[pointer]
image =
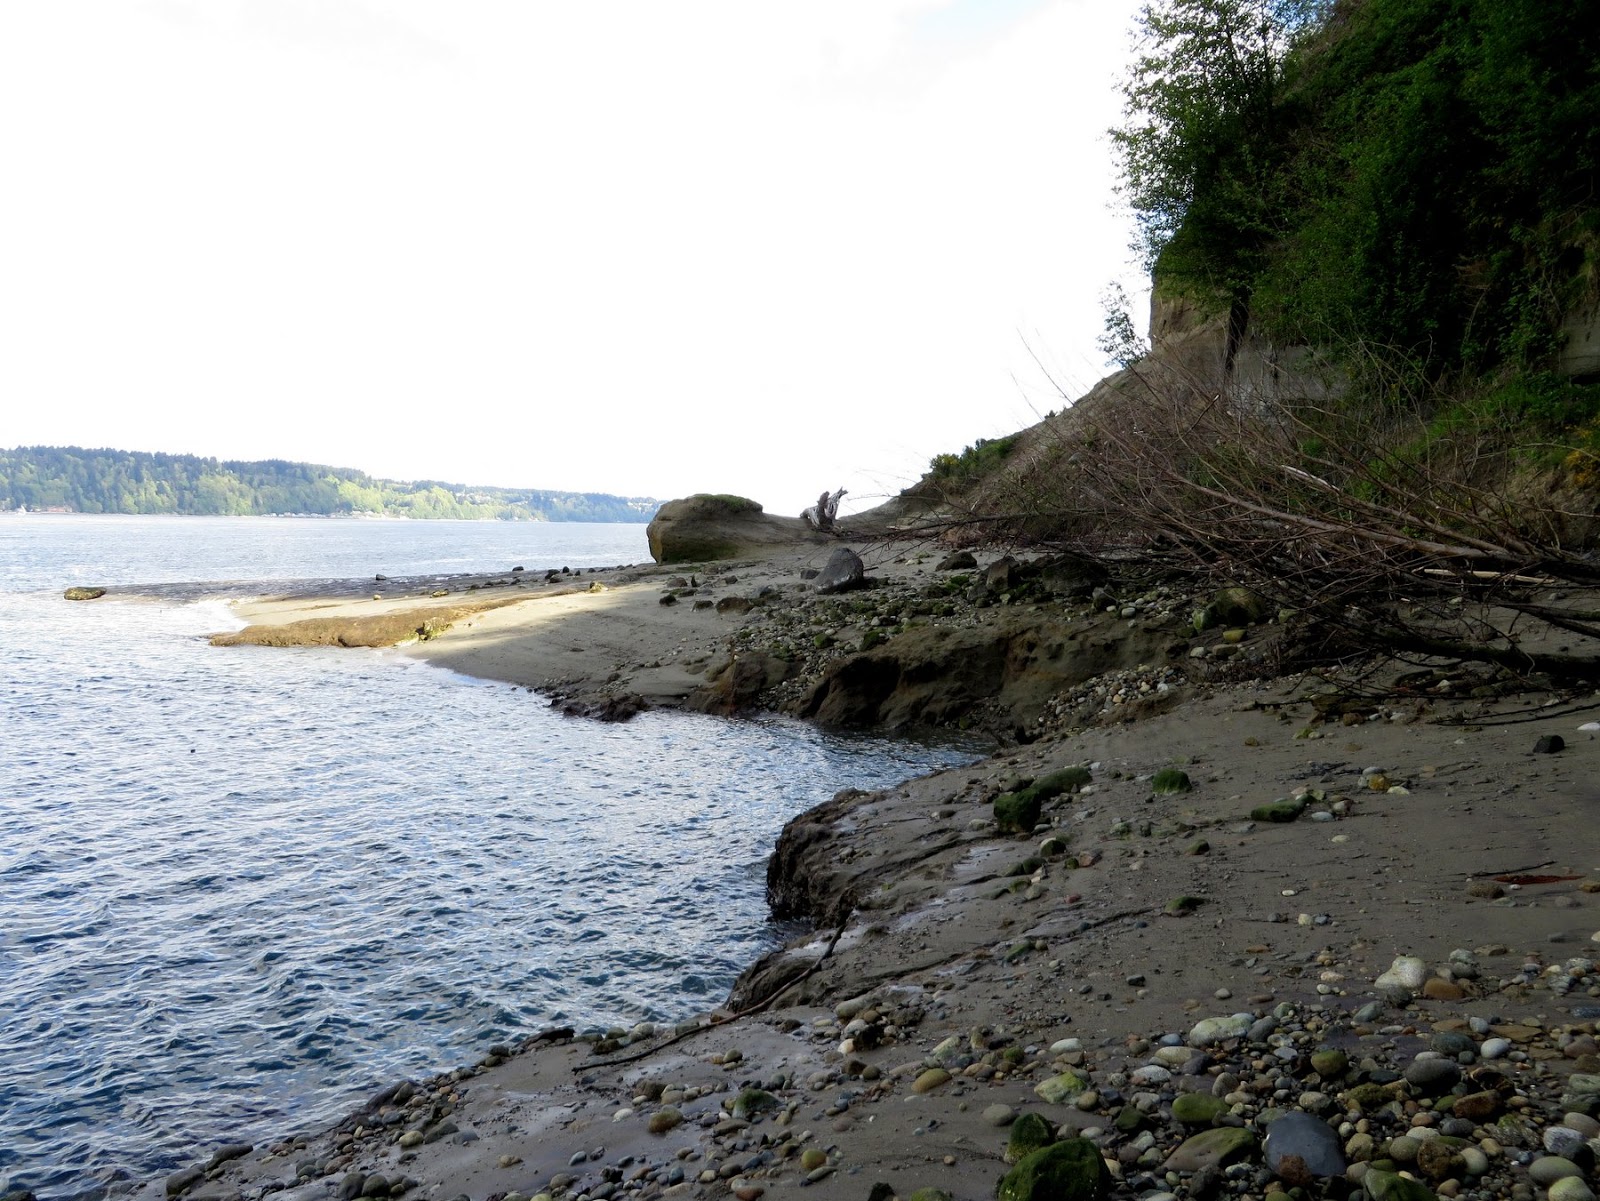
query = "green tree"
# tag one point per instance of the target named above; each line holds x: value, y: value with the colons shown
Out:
x: 1202, y: 132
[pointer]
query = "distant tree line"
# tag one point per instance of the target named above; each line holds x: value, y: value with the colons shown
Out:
x: 119, y: 481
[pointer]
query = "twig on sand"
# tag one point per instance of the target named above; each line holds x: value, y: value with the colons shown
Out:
x: 1511, y: 871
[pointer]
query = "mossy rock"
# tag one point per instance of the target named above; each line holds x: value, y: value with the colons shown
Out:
x: 1390, y: 1186
x: 1068, y: 779
x: 709, y: 526
x: 1170, y: 780
x: 1029, y: 1133
x: 665, y: 1120
x: 1284, y: 810
x: 1027, y: 867
x: 1018, y: 812
x: 1330, y: 1063
x: 1018, y: 805
x: 81, y: 593
x: 1058, y: 1090
x: 1182, y: 906
x: 1217, y: 1147
x: 1367, y: 1097
x: 1198, y: 1109
x: 753, y: 1102
x: 1130, y: 1119
x: 1070, y: 1170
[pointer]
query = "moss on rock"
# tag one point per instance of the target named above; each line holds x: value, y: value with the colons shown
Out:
x: 1071, y: 1170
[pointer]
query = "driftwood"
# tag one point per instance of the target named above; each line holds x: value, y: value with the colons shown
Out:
x: 825, y: 512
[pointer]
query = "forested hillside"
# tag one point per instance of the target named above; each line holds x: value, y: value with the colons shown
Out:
x: 1407, y: 183
x: 1372, y: 392
x: 75, y: 480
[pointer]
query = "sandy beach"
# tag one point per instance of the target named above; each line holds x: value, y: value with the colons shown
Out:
x: 1386, y: 919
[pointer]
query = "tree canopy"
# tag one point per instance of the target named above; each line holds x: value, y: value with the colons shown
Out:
x: 120, y: 481
x: 1413, y: 176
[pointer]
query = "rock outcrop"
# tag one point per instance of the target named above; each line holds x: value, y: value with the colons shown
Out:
x: 706, y: 527
x: 936, y: 675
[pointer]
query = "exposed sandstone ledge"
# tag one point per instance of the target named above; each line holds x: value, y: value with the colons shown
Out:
x: 372, y: 630
x: 937, y: 675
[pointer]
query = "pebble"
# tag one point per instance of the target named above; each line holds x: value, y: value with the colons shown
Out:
x: 1495, y: 1048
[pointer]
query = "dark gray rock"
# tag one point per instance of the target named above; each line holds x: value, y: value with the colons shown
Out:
x: 842, y: 572
x: 180, y: 1182
x: 226, y: 1152
x: 960, y: 560
x: 1433, y: 1075
x: 1002, y: 575
x: 1311, y: 1140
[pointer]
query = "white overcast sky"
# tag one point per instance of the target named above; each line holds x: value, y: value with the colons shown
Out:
x: 649, y: 247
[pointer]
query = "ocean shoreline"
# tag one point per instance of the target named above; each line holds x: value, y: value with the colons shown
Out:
x: 989, y: 963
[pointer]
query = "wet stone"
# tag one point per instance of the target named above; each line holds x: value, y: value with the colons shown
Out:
x: 1310, y: 1140
x: 1551, y: 1168
x: 1433, y: 1075
x: 1217, y: 1147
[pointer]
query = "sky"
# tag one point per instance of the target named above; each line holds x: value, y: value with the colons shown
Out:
x: 766, y: 247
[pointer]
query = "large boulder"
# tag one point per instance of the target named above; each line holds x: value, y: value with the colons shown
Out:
x: 843, y: 571
x: 705, y: 527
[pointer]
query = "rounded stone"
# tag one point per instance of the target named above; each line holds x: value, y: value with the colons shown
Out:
x: 1407, y: 971
x: 1308, y: 1139
x: 1551, y: 1168
x: 1433, y: 1075
x: 1571, y: 1188
x: 1563, y: 1141
x: 665, y: 1119
x: 1198, y: 1109
x: 1210, y: 1031
x: 1330, y: 1064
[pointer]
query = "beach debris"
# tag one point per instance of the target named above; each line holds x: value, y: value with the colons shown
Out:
x: 823, y: 514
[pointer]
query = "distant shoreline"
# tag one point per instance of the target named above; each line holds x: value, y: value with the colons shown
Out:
x: 319, y: 517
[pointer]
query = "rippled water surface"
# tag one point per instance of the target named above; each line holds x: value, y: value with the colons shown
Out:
x: 240, y: 887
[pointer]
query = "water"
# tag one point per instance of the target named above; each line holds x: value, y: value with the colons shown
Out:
x: 243, y: 887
